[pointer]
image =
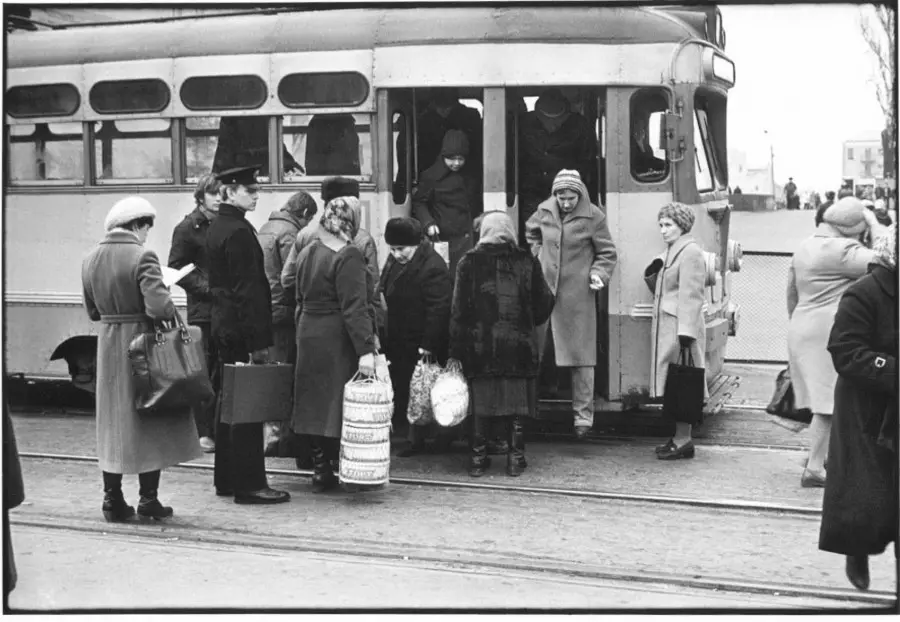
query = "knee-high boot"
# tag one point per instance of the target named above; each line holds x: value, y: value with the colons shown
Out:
x: 323, y: 470
x: 149, y: 505
x: 115, y: 510
x: 478, y: 458
x: 515, y: 459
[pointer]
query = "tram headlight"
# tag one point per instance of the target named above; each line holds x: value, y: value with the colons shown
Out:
x: 723, y: 69
x: 712, y: 262
x: 735, y: 255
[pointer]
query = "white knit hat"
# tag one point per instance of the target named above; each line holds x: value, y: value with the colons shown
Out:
x: 126, y: 210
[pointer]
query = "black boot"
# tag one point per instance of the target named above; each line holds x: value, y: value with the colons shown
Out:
x: 323, y: 478
x: 149, y: 505
x: 478, y: 459
x: 115, y: 510
x: 515, y: 459
x: 858, y: 571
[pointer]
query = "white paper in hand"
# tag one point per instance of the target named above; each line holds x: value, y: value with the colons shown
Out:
x: 171, y: 276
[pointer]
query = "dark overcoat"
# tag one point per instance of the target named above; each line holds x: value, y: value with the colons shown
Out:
x: 859, y: 511
x: 501, y: 296
x: 544, y: 154
x: 450, y: 200
x: 189, y: 246
x: 242, y: 301
x: 418, y: 304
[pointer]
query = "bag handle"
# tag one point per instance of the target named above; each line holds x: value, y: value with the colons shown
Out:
x: 454, y: 365
x: 179, y: 322
x: 686, y: 358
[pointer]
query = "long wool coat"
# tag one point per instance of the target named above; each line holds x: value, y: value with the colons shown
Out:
x: 571, y: 247
x: 822, y: 269
x: 123, y: 290
x: 678, y: 297
x: 859, y: 511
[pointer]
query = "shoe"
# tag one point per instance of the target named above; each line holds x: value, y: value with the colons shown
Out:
x: 115, y: 510
x: 669, y: 445
x: 323, y: 478
x: 811, y: 479
x: 266, y: 496
x: 150, y: 507
x: 478, y: 458
x: 675, y: 453
x: 858, y: 571
x: 207, y: 445
x: 581, y: 431
x: 223, y: 492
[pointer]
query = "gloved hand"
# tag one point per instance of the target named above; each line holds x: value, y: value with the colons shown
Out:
x: 685, y: 342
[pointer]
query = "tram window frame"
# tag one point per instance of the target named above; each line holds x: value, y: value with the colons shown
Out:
x: 652, y: 123
x: 710, y: 114
x: 42, y: 94
x: 126, y: 96
x: 221, y: 83
x: 77, y: 149
x: 118, y: 124
x: 313, y: 102
x: 299, y: 148
x: 400, y: 188
x: 699, y: 172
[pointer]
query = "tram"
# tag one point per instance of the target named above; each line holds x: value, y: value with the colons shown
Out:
x: 96, y: 113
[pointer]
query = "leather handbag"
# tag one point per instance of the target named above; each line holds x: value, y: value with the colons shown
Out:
x: 782, y: 403
x: 168, y: 367
x: 683, y: 397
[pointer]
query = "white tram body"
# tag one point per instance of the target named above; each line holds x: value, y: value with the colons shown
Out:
x: 97, y: 113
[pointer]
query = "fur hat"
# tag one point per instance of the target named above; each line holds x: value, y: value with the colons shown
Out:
x: 681, y: 214
x: 455, y: 143
x: 847, y: 216
x: 403, y: 232
x: 339, y: 187
x: 128, y: 209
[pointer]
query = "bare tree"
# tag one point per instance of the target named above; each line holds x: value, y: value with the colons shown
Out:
x: 878, y: 26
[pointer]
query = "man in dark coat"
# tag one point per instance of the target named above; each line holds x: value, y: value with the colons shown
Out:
x: 241, y: 331
x: 791, y: 198
x: 189, y: 246
x: 820, y: 211
x: 13, y: 494
x: 416, y: 286
x: 244, y: 141
x: 859, y: 510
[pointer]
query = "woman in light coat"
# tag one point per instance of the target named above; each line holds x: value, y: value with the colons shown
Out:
x: 570, y: 237
x: 822, y: 269
x: 124, y: 291
x: 678, y: 281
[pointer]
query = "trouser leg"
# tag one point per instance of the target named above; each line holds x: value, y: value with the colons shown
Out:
x: 820, y: 434
x: 583, y: 396
x: 204, y: 416
x: 478, y: 458
x: 401, y: 371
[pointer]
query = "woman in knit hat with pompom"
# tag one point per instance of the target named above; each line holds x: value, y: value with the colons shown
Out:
x: 822, y: 269
x: 677, y: 279
x: 570, y: 237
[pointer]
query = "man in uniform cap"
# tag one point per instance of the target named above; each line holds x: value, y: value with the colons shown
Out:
x: 241, y: 316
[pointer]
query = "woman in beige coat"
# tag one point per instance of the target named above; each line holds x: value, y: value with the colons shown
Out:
x: 822, y: 269
x: 570, y: 237
x: 678, y: 282
x: 124, y: 291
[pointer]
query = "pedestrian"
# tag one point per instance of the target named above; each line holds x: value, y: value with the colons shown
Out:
x: 791, y: 198
x: 859, y: 510
x: 277, y: 237
x: 13, y: 494
x: 417, y: 291
x: 241, y: 333
x: 124, y: 291
x: 829, y: 201
x: 570, y: 237
x: 335, y: 334
x: 448, y: 198
x: 500, y: 298
x: 189, y: 247
x: 822, y: 269
x: 677, y: 279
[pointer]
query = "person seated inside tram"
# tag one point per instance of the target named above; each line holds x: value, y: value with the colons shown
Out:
x: 244, y: 141
x: 643, y: 161
x: 332, y: 145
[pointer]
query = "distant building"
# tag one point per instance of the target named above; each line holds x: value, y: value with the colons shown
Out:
x: 863, y: 159
x: 752, y: 177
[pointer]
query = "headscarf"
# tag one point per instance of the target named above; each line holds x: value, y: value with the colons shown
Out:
x: 885, y: 247
x: 341, y: 218
x: 497, y: 228
x: 300, y: 205
x: 126, y: 210
x: 681, y: 214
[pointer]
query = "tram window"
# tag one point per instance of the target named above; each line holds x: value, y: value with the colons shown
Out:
x: 129, y: 151
x: 327, y: 144
x: 224, y: 92
x: 710, y: 110
x: 301, y: 90
x: 244, y: 141
x: 129, y: 96
x: 45, y: 152
x: 648, y: 155
x: 400, y: 173
x: 42, y: 100
x: 701, y: 161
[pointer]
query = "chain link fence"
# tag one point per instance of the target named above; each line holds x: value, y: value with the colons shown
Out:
x: 760, y: 290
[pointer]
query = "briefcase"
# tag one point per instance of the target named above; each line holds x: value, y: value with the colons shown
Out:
x: 683, y: 397
x: 257, y: 393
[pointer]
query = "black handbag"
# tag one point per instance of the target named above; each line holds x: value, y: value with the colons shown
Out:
x: 168, y: 367
x: 683, y: 396
x: 782, y: 403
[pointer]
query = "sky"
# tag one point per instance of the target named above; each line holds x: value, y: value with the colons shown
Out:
x: 803, y: 75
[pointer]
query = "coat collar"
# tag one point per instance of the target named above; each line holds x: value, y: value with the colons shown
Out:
x: 677, y: 246
x: 582, y: 210
x: 121, y: 236
x: 226, y: 209
x: 405, y: 271
x: 287, y: 217
x: 886, y: 279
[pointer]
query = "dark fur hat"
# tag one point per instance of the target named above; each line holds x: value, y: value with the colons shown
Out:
x: 403, y: 232
x: 333, y: 187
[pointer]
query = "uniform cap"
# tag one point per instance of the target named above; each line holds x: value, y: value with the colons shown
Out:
x: 243, y: 175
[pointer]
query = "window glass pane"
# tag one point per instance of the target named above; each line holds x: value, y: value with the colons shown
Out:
x: 326, y: 144
x: 701, y: 161
x: 42, y: 100
x: 134, y: 151
x: 221, y: 143
x: 299, y: 90
x: 647, y: 144
x: 398, y: 121
x: 224, y: 92
x: 129, y: 96
x: 46, y: 152
x: 201, y: 139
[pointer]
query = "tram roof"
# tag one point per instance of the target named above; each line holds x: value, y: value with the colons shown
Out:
x: 344, y: 29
